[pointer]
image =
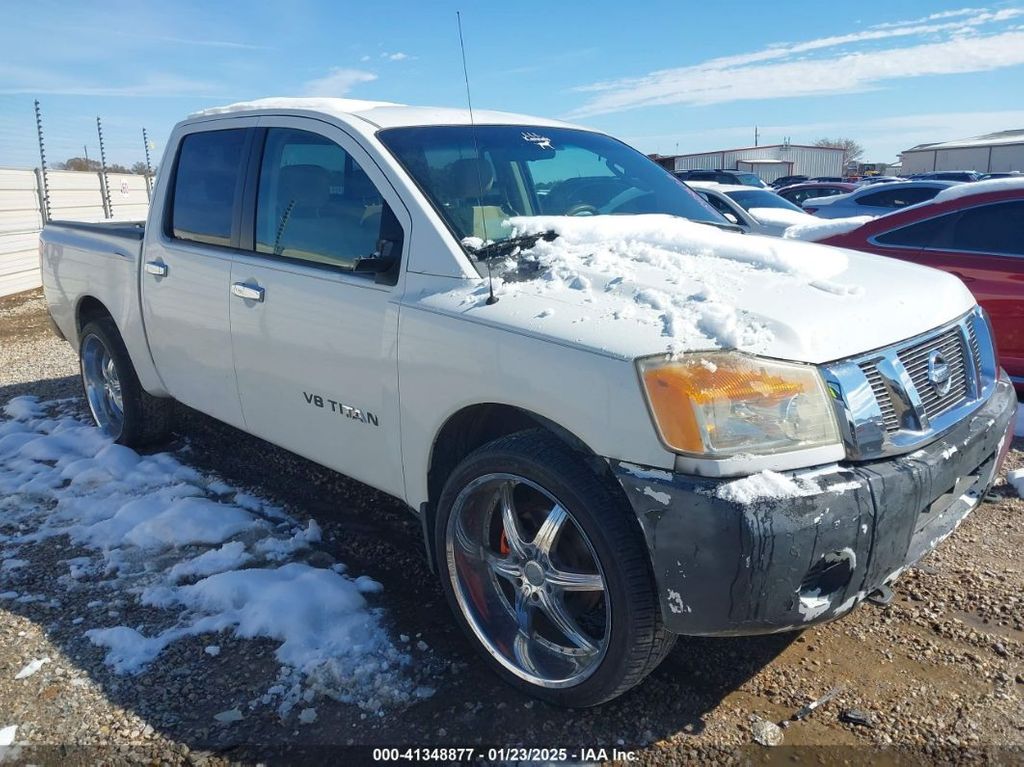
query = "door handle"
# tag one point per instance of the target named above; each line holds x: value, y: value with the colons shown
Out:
x: 156, y: 268
x: 250, y: 292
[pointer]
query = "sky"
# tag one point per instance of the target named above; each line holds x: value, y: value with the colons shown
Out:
x: 667, y: 77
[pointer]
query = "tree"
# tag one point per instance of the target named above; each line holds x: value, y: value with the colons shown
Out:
x: 139, y: 168
x: 851, y: 149
x: 78, y: 163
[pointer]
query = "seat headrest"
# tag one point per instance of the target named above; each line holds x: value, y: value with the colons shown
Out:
x: 472, y: 177
x: 308, y: 186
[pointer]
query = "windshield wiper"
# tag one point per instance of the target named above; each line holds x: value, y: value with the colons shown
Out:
x: 508, y: 247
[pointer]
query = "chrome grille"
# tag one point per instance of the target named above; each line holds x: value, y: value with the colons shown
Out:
x: 889, y: 418
x: 886, y: 402
x: 950, y: 345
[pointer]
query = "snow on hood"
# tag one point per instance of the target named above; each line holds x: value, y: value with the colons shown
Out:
x: 638, y: 285
x: 817, y: 229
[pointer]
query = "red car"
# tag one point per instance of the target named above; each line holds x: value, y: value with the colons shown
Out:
x: 974, y: 231
x: 797, y: 193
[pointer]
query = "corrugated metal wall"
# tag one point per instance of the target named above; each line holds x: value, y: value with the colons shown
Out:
x: 74, y: 196
x: 984, y: 159
x: 20, y: 221
x: 810, y: 161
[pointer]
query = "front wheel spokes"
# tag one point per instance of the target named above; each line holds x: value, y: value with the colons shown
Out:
x: 510, y: 521
x: 546, y: 536
x: 566, y: 580
x: 554, y: 608
x: 506, y: 567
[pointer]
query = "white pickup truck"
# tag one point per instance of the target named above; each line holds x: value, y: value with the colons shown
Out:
x: 617, y: 420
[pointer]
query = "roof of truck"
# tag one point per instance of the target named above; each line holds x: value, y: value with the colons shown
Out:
x: 383, y: 114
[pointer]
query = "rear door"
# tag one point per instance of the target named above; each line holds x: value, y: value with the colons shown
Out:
x: 315, y: 343
x: 187, y: 268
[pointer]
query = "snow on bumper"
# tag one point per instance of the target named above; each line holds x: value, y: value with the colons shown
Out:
x: 772, y: 553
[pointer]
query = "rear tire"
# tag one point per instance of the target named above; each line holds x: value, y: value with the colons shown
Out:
x: 118, y: 403
x: 529, y: 599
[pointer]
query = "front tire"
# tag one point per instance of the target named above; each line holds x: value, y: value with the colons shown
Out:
x: 121, y: 408
x: 547, y: 571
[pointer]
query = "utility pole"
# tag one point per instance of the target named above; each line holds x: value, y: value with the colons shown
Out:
x: 85, y: 148
x: 756, y: 136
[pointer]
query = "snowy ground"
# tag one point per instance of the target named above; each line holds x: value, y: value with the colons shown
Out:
x: 209, y: 557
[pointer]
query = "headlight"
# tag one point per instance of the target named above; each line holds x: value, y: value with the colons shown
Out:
x: 718, y: 404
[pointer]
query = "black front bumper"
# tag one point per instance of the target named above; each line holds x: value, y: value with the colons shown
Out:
x: 725, y: 568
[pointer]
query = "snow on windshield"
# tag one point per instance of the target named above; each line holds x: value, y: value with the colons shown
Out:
x: 209, y: 557
x: 664, y: 271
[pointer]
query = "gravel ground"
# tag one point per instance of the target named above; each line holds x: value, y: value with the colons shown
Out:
x: 939, y: 672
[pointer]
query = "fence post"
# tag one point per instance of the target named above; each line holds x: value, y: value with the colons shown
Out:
x: 43, y: 181
x: 108, y: 210
x: 149, y: 167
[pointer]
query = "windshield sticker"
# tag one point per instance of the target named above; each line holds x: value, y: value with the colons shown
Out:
x: 542, y: 142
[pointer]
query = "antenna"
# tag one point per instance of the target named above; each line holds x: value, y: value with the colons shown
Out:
x: 491, y: 298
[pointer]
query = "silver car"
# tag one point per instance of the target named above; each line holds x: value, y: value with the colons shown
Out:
x: 875, y: 200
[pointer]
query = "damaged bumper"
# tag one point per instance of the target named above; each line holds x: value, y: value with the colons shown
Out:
x: 729, y: 568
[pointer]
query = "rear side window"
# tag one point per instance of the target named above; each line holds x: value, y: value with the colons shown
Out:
x: 897, y: 198
x: 206, y: 184
x: 316, y: 204
x: 997, y: 228
x: 920, y: 235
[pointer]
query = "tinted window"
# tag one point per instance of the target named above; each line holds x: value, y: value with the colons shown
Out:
x: 897, y: 198
x: 721, y: 206
x: 206, y: 183
x: 920, y: 235
x: 761, y: 198
x: 315, y: 203
x: 799, y: 195
x: 997, y: 228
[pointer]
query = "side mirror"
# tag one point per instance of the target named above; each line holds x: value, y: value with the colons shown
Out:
x: 383, y: 260
x: 731, y: 217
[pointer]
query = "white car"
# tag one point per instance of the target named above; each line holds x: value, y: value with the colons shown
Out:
x: 875, y: 199
x: 755, y: 211
x: 616, y: 421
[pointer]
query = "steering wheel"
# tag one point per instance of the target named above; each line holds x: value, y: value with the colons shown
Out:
x: 582, y: 209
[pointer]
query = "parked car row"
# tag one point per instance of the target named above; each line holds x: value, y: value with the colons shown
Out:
x: 975, y: 232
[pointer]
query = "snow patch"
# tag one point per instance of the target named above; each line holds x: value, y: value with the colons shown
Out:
x: 170, y: 537
x: 812, y: 605
x: 1015, y: 479
x: 959, y: 191
x: 7, y: 735
x: 766, y: 486
x: 642, y: 473
x: 663, y: 498
x: 823, y: 228
x: 32, y: 668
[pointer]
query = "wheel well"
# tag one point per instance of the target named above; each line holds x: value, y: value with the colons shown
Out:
x: 89, y: 309
x: 471, y: 428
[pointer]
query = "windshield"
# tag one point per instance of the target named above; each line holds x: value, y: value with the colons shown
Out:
x: 477, y: 181
x: 756, y: 198
x: 750, y: 180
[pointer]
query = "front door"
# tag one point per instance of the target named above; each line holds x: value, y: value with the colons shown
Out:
x: 315, y: 343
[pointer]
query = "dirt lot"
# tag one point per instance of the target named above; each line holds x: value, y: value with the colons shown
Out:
x: 939, y: 673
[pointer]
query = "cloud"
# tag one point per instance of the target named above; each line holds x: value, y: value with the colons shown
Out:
x: 396, y: 56
x: 844, y: 64
x: 337, y: 82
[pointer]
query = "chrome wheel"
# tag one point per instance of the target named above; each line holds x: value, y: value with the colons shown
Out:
x: 528, y: 581
x: 102, y: 386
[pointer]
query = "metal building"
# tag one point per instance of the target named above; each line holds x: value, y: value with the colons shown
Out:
x: 769, y: 162
x: 991, y: 153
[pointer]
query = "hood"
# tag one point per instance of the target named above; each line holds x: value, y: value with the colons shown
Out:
x: 632, y: 286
